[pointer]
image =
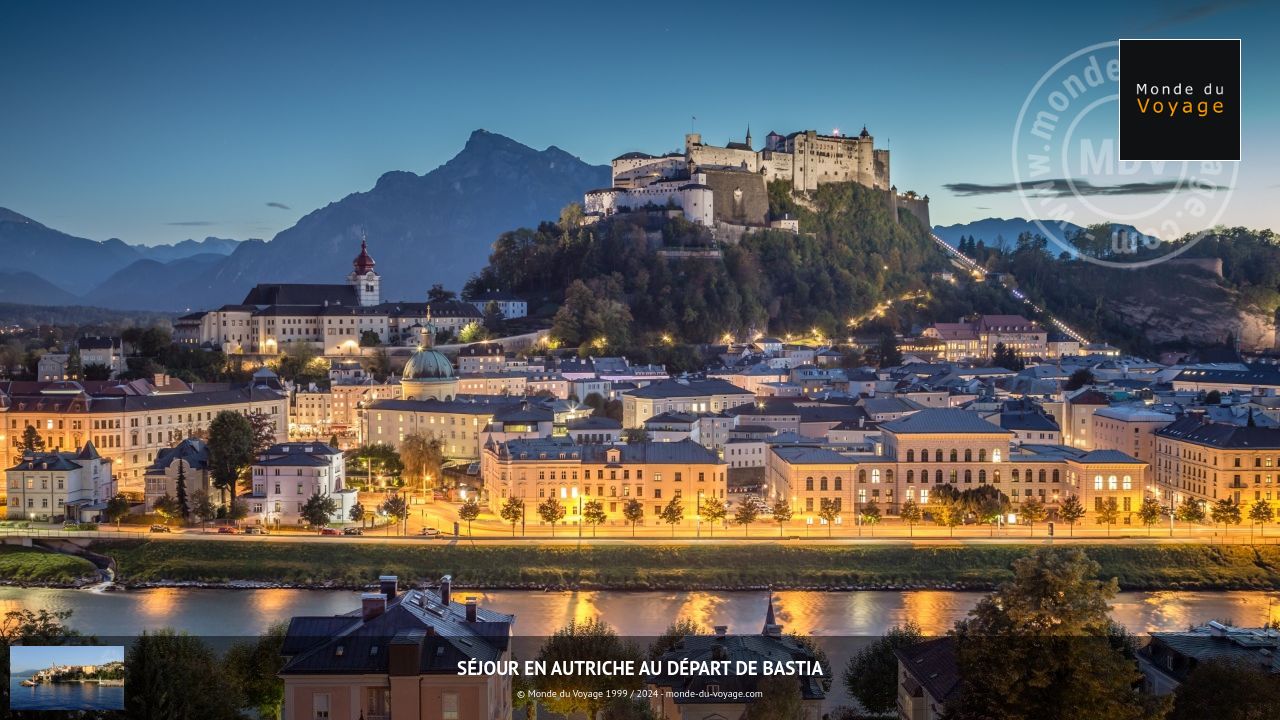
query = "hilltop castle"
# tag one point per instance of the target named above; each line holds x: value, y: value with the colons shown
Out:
x: 717, y: 186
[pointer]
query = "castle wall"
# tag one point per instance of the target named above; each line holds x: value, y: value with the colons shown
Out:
x: 741, y: 198
x: 639, y: 172
x: 917, y: 206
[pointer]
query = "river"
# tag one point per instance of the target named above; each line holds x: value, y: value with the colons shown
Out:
x: 247, y: 612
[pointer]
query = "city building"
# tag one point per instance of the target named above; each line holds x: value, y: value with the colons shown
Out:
x: 688, y: 396
x: 1208, y: 461
x: 928, y: 678
x: 105, y: 352
x: 43, y: 486
x: 128, y: 423
x: 316, y: 412
x: 509, y: 305
x: 698, y: 696
x: 651, y: 472
x: 459, y: 424
x: 397, y: 657
x: 594, y: 429
x: 482, y: 357
x: 287, y: 474
x: 977, y: 338
x: 1170, y: 657
x: 1129, y: 428
x: 191, y: 458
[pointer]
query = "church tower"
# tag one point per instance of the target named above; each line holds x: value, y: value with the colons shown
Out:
x: 367, y: 283
x: 749, y: 145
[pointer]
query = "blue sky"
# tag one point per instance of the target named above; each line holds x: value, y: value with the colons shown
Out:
x: 154, y: 122
x: 34, y: 657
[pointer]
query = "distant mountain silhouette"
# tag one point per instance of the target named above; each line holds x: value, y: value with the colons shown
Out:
x: 29, y: 288
x: 422, y: 229
x: 75, y: 263
x: 991, y: 230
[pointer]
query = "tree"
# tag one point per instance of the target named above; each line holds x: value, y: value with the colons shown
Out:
x: 369, y: 338
x: 356, y: 513
x: 1071, y: 512
x: 469, y: 511
x: 747, y: 512
x: 184, y: 508
x: 1190, y: 511
x: 779, y: 699
x: 251, y: 667
x: 437, y: 294
x: 1213, y: 397
x: 673, y: 513
x: 829, y: 510
x: 586, y: 693
x: 494, y: 321
x: 264, y: 431
x: 1223, y: 690
x: 633, y: 512
x: 202, y: 506
x: 318, y: 510
x: 871, y: 515
x: 1150, y: 512
x: 1261, y: 513
x: 1079, y: 379
x: 237, y: 510
x: 97, y: 372
x: 713, y: 511
x: 890, y: 355
x: 397, y: 508
x: 594, y: 515
x: 31, y: 441
x: 1032, y: 511
x: 380, y: 364
x: 871, y: 676
x: 166, y: 507
x: 1042, y: 645
x: 910, y: 514
x: 635, y: 436
x: 75, y: 366
x: 423, y: 456
x: 513, y: 512
x: 1227, y: 512
x: 781, y: 512
x: 173, y: 675
x: 551, y: 511
x: 1108, y: 513
x: 231, y: 448
x: 1006, y: 357
x: 117, y: 507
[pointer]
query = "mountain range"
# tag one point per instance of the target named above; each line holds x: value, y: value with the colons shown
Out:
x: 422, y: 229
x: 992, y: 230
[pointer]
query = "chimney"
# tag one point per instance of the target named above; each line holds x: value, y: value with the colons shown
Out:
x: 389, y: 586
x: 446, y: 590
x: 471, y: 609
x: 721, y: 630
x: 372, y: 605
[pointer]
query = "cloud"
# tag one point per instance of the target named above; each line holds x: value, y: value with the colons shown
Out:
x: 280, y: 205
x: 1060, y: 187
x: 1196, y: 12
x: 192, y: 223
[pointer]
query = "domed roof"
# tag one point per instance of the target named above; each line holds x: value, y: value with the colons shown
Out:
x: 363, y: 262
x: 427, y: 364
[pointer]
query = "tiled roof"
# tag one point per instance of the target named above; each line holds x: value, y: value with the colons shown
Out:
x: 932, y: 663
x: 1222, y: 435
x: 301, y: 294
x: 1109, y: 456
x: 693, y: 388
x: 942, y: 420
x: 455, y: 407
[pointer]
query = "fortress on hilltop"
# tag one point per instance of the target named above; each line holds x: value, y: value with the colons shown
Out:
x: 725, y: 188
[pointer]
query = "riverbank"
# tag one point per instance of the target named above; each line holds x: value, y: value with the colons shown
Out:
x: 338, y: 565
x: 27, y: 566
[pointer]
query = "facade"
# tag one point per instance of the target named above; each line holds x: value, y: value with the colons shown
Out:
x: 510, y: 306
x: 977, y: 339
x: 1209, y: 461
x: 129, y: 425
x: 192, y: 456
x: 321, y: 412
x: 105, y: 351
x: 922, y: 451
x: 686, y: 396
x: 928, y: 678
x: 397, y: 657
x: 1130, y: 429
x: 460, y: 424
x: 650, y: 472
x: 287, y: 474
x: 1170, y: 657
x: 46, y: 485
x: 482, y: 358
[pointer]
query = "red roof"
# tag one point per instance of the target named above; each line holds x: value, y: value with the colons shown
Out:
x: 363, y: 263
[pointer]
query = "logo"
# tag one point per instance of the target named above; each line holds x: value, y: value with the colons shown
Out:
x: 1088, y: 202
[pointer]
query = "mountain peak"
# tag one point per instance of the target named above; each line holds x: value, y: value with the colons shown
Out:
x: 7, y: 215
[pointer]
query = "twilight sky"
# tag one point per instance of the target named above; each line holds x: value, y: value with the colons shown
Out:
x: 154, y: 122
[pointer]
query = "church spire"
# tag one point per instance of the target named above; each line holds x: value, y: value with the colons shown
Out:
x: 749, y: 135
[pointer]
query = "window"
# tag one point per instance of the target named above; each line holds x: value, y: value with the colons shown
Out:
x: 1097, y: 482
x: 449, y: 706
x: 320, y: 706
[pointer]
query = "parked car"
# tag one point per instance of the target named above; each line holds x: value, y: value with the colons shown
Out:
x: 329, y: 531
x: 352, y: 531
x: 257, y: 530
x: 160, y: 529
x: 226, y: 530
x: 429, y: 532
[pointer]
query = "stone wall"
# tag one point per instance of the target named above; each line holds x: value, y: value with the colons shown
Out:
x: 741, y: 198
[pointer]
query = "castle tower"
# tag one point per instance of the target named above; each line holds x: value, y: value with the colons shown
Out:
x: 368, y: 284
x: 749, y: 136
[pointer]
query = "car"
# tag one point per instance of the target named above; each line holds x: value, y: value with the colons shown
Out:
x: 328, y: 531
x: 429, y: 532
x: 70, y: 525
x: 256, y: 530
x: 352, y: 531
x: 226, y: 530
x: 160, y: 529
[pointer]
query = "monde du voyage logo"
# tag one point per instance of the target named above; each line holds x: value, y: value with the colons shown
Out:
x: 1180, y: 100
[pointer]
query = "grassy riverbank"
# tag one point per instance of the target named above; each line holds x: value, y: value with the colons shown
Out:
x: 41, y: 567
x: 645, y: 567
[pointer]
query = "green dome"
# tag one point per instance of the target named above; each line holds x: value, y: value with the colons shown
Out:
x: 427, y: 364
